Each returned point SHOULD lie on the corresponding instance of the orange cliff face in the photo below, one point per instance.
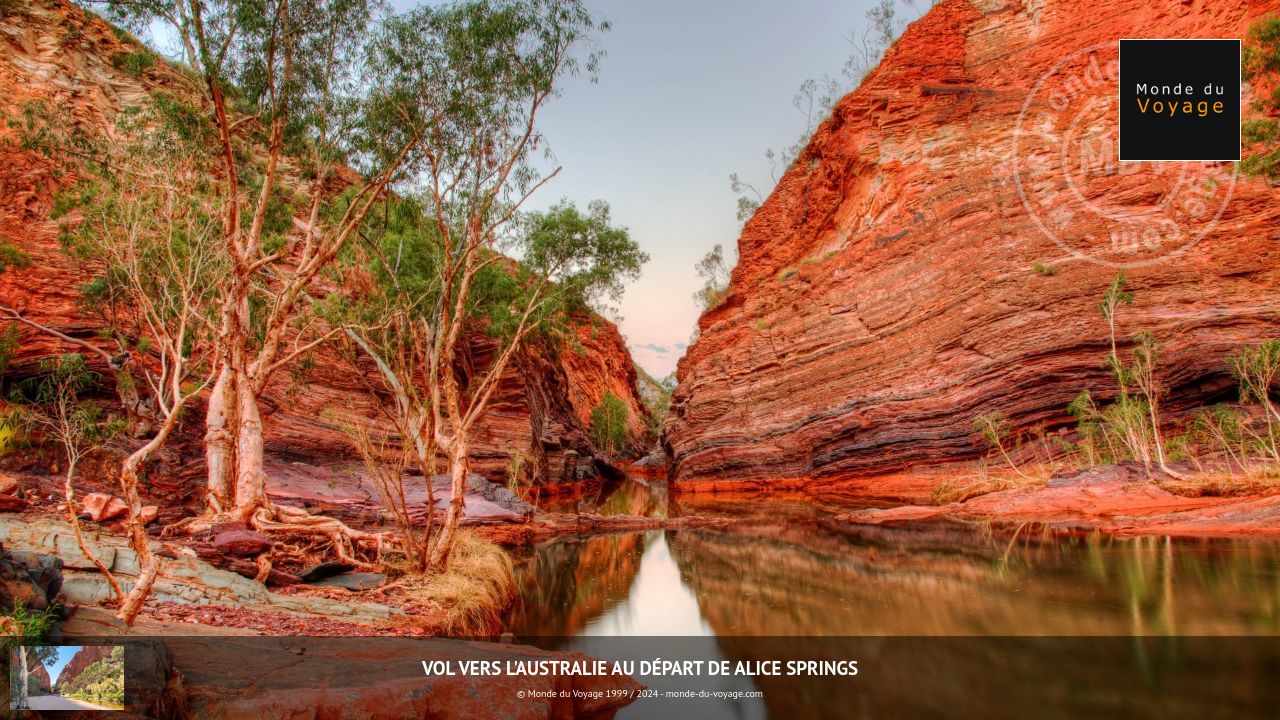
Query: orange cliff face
(939, 250)
(84, 657)
(53, 52)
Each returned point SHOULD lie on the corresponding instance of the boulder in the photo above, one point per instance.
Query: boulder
(243, 543)
(101, 507)
(499, 495)
(354, 581)
(8, 485)
(11, 503)
(316, 573)
(149, 514)
(31, 580)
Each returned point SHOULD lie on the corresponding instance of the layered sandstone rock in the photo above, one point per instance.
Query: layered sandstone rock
(53, 53)
(924, 261)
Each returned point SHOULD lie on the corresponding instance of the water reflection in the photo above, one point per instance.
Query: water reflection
(793, 584)
(628, 496)
(790, 575)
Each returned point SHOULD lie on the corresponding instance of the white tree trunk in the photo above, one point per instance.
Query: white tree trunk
(219, 441)
(24, 672)
(459, 468)
(251, 490)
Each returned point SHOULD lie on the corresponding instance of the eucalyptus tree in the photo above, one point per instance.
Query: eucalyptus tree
(569, 260)
(145, 229)
(151, 235)
(442, 100)
(55, 401)
(479, 74)
(283, 85)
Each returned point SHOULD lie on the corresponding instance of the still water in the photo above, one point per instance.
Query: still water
(788, 574)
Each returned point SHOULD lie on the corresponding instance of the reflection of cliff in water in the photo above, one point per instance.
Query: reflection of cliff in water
(568, 583)
(624, 496)
(955, 580)
(790, 592)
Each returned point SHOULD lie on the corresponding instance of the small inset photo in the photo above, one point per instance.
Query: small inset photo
(66, 677)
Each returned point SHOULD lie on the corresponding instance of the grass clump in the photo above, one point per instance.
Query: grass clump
(985, 482)
(1044, 269)
(12, 256)
(134, 63)
(472, 593)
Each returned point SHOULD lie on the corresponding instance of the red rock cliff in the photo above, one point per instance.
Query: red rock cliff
(53, 52)
(84, 657)
(41, 675)
(923, 262)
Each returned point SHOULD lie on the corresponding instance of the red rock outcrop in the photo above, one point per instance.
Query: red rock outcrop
(84, 657)
(54, 52)
(924, 261)
(41, 675)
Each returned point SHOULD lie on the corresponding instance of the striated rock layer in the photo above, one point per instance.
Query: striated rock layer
(923, 262)
(53, 52)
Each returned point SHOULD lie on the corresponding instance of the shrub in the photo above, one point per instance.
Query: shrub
(1043, 269)
(609, 424)
(134, 63)
(12, 256)
(994, 429)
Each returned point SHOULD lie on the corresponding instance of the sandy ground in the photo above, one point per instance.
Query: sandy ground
(57, 702)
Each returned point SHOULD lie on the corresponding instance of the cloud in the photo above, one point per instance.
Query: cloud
(655, 348)
(681, 346)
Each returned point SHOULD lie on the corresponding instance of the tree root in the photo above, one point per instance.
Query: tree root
(283, 520)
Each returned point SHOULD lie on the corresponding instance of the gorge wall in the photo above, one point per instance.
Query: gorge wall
(84, 657)
(939, 249)
(54, 52)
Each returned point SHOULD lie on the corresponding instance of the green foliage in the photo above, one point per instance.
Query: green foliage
(64, 374)
(714, 272)
(55, 398)
(134, 63)
(101, 681)
(993, 427)
(184, 121)
(1262, 57)
(656, 395)
(27, 624)
(8, 346)
(609, 423)
(1043, 269)
(12, 256)
(1115, 296)
(1257, 369)
(1220, 428)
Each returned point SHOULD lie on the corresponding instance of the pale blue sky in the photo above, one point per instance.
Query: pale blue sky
(65, 653)
(688, 93)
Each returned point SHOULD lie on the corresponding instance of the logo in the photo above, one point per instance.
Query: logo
(1180, 100)
(1078, 192)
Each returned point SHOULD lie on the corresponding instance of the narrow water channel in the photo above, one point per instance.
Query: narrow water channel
(784, 576)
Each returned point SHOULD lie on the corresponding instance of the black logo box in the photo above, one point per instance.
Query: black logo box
(1185, 64)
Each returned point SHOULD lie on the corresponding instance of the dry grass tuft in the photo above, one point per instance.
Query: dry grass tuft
(1260, 480)
(984, 482)
(472, 594)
